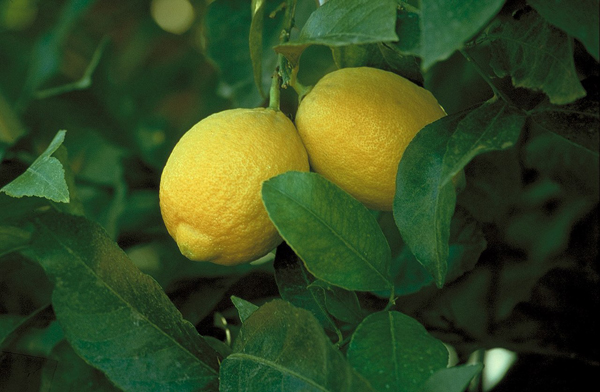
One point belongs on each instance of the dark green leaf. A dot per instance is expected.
(493, 126)
(256, 41)
(336, 236)
(395, 352)
(579, 122)
(423, 207)
(227, 27)
(115, 317)
(579, 19)
(536, 56)
(283, 348)
(344, 22)
(44, 178)
(13, 238)
(73, 374)
(341, 304)
(446, 25)
(244, 308)
(293, 281)
(454, 379)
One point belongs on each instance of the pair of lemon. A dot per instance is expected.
(352, 128)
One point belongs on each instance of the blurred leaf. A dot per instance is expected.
(99, 293)
(8, 322)
(44, 178)
(357, 56)
(228, 24)
(493, 126)
(408, 29)
(341, 304)
(579, 19)
(454, 379)
(395, 352)
(570, 165)
(47, 52)
(446, 25)
(423, 207)
(256, 41)
(283, 348)
(578, 122)
(13, 238)
(35, 334)
(73, 374)
(293, 281)
(244, 308)
(536, 56)
(336, 236)
(344, 22)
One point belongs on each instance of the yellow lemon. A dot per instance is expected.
(356, 123)
(210, 188)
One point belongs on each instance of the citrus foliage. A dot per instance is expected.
(492, 241)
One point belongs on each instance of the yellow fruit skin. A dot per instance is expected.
(210, 189)
(356, 123)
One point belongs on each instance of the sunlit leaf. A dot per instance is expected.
(336, 236)
(44, 178)
(394, 352)
(344, 22)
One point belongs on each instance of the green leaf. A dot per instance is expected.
(341, 304)
(73, 374)
(536, 56)
(446, 25)
(293, 281)
(578, 122)
(454, 379)
(423, 207)
(425, 199)
(579, 19)
(114, 316)
(395, 352)
(13, 238)
(227, 31)
(283, 348)
(491, 127)
(44, 178)
(336, 236)
(344, 22)
(256, 41)
(244, 308)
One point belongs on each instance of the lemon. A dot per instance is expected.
(210, 188)
(356, 123)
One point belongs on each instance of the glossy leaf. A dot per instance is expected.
(536, 56)
(579, 19)
(114, 316)
(44, 178)
(344, 22)
(446, 25)
(394, 352)
(283, 348)
(336, 236)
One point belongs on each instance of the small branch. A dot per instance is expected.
(486, 77)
